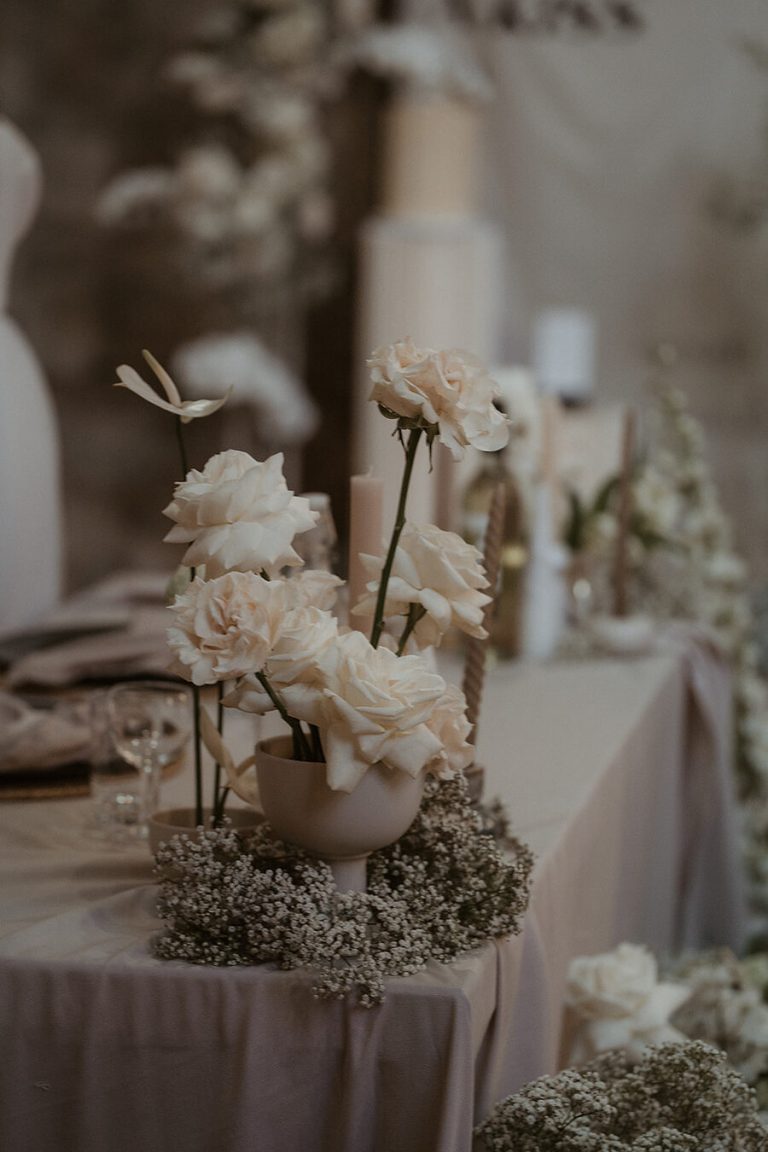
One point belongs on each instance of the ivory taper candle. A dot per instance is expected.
(366, 502)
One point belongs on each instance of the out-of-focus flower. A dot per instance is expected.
(618, 1002)
(142, 191)
(239, 362)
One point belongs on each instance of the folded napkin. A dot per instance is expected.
(35, 738)
(138, 651)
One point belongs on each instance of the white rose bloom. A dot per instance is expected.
(205, 223)
(292, 37)
(618, 1003)
(274, 178)
(209, 173)
(448, 721)
(253, 213)
(374, 706)
(137, 192)
(312, 587)
(449, 389)
(657, 501)
(310, 158)
(238, 515)
(316, 216)
(438, 571)
(725, 568)
(192, 68)
(752, 691)
(226, 627)
(612, 984)
(287, 114)
(306, 633)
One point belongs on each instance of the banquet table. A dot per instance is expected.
(616, 772)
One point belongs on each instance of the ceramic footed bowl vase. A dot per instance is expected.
(168, 822)
(342, 828)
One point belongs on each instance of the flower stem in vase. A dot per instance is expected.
(410, 456)
(301, 747)
(415, 613)
(198, 757)
(182, 447)
(219, 797)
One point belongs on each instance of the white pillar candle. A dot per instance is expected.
(366, 502)
(564, 348)
(550, 425)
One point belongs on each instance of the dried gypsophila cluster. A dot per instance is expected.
(679, 1097)
(727, 1008)
(441, 890)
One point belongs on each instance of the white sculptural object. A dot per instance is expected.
(30, 514)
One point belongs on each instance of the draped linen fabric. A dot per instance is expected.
(618, 775)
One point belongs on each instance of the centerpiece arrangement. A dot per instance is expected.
(370, 727)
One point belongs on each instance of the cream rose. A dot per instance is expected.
(613, 983)
(449, 391)
(448, 721)
(226, 627)
(306, 634)
(617, 1002)
(373, 706)
(312, 587)
(238, 515)
(438, 571)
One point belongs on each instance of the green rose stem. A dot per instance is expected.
(415, 613)
(218, 796)
(195, 689)
(182, 448)
(198, 758)
(317, 744)
(299, 739)
(410, 456)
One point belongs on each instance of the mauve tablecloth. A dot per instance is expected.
(617, 773)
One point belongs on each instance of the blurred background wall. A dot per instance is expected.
(626, 170)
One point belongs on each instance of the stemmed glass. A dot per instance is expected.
(150, 722)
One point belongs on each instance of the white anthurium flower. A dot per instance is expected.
(617, 1001)
(186, 410)
(240, 777)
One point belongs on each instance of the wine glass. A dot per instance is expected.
(150, 722)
